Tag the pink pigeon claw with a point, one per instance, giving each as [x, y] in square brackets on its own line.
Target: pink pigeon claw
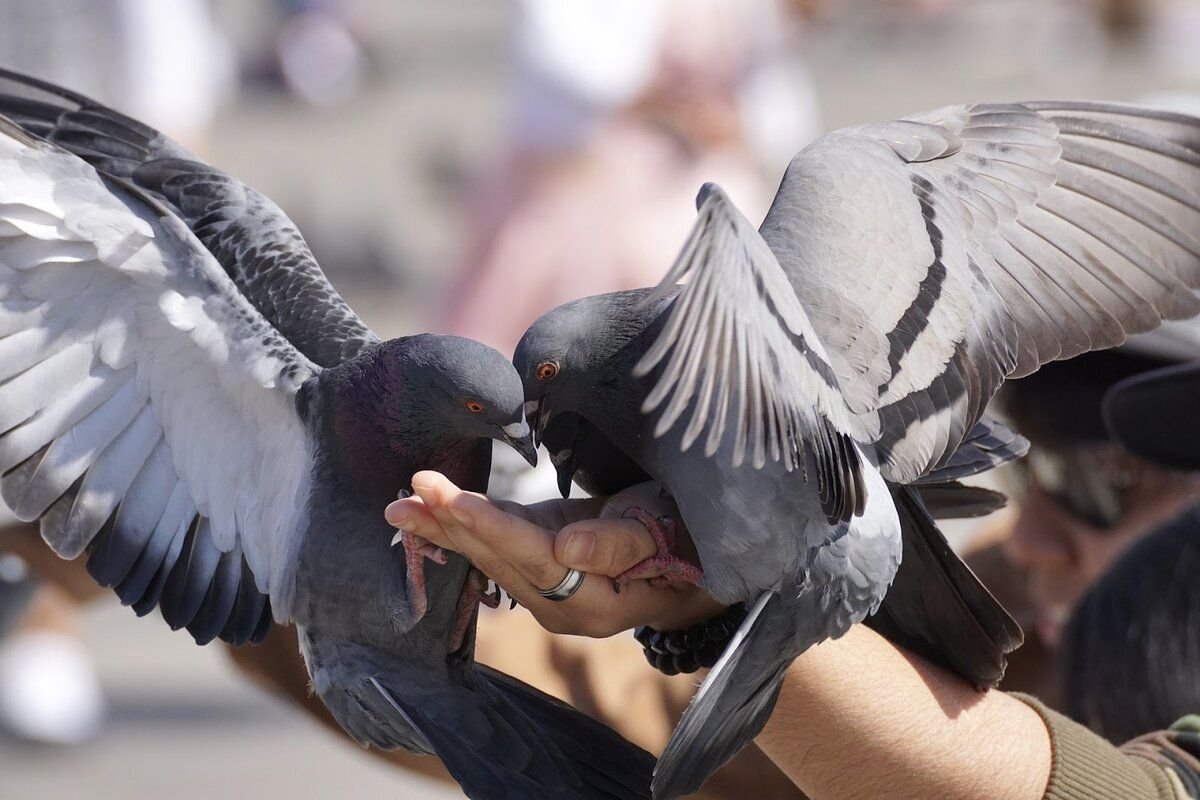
[665, 567]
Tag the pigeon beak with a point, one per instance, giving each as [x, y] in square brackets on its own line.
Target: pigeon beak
[538, 416]
[519, 436]
[565, 467]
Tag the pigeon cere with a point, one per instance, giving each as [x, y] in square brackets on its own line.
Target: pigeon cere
[893, 493]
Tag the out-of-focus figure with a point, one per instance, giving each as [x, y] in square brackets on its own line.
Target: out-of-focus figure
[620, 111]
[1140, 624]
[1081, 499]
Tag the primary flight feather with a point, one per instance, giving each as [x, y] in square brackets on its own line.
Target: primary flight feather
[187, 402]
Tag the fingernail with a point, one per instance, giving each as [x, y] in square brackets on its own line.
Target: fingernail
[579, 547]
[396, 516]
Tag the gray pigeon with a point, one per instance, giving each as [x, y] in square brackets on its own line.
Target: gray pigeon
[826, 365]
[186, 400]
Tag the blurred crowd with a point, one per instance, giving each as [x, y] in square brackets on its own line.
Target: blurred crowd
[614, 113]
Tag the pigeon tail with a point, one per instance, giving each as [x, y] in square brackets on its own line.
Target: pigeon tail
[938, 609]
[499, 738]
[989, 444]
[735, 701]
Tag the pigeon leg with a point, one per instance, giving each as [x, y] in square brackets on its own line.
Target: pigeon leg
[416, 550]
[665, 566]
[474, 593]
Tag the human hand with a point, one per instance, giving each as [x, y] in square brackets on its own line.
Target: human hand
[513, 546]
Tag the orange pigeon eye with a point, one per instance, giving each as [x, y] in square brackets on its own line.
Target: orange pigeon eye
[475, 407]
[547, 371]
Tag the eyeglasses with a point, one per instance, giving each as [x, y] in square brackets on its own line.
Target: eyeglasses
[1095, 482]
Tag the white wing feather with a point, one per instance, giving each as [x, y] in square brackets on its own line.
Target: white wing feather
[135, 380]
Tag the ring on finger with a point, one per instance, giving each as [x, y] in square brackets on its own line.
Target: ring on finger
[566, 588]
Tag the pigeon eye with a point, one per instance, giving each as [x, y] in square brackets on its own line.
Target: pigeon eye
[474, 406]
[547, 371]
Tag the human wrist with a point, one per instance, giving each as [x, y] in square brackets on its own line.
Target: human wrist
[686, 650]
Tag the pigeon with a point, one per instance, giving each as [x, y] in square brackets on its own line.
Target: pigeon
[809, 377]
[186, 400]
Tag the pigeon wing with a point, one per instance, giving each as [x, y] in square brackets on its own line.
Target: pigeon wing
[742, 360]
[940, 254]
[148, 411]
[932, 257]
[256, 244]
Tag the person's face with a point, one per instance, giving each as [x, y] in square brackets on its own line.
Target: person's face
[1080, 510]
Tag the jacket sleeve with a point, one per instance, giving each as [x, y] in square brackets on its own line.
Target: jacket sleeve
[1086, 767]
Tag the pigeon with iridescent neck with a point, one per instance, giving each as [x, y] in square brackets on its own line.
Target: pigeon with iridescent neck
[186, 402]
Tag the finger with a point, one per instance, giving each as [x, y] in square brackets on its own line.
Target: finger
[511, 551]
[648, 496]
[606, 547]
[596, 610]
[529, 548]
[412, 516]
[436, 491]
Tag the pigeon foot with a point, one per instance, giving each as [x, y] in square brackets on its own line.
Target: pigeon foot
[666, 567]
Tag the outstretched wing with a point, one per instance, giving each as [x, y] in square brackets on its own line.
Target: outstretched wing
[249, 236]
[935, 256]
[147, 410]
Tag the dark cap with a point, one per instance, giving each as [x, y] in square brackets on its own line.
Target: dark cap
[1156, 415]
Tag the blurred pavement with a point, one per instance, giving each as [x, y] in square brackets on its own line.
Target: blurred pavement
[184, 725]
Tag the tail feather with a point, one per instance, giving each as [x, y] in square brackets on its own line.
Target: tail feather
[937, 608]
[954, 500]
[732, 705]
[503, 739]
[500, 739]
[606, 762]
[988, 445]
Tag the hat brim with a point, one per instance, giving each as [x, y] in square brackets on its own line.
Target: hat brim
[1156, 415]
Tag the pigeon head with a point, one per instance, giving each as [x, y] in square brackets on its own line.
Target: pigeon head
[407, 403]
[577, 360]
[471, 390]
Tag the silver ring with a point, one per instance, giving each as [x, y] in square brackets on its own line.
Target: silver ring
[567, 587]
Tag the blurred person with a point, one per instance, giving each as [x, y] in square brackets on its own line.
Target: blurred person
[165, 62]
[1079, 499]
[1138, 624]
[620, 110]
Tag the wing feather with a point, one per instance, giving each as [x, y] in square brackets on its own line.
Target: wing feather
[1062, 227]
[764, 379]
[907, 268]
[255, 243]
[147, 408]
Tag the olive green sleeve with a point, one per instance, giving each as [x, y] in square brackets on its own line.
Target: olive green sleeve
[1087, 767]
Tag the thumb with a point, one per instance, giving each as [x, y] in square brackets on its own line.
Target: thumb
[604, 546]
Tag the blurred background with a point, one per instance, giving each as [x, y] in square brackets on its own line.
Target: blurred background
[463, 165]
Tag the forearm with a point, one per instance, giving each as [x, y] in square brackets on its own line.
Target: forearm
[859, 718]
